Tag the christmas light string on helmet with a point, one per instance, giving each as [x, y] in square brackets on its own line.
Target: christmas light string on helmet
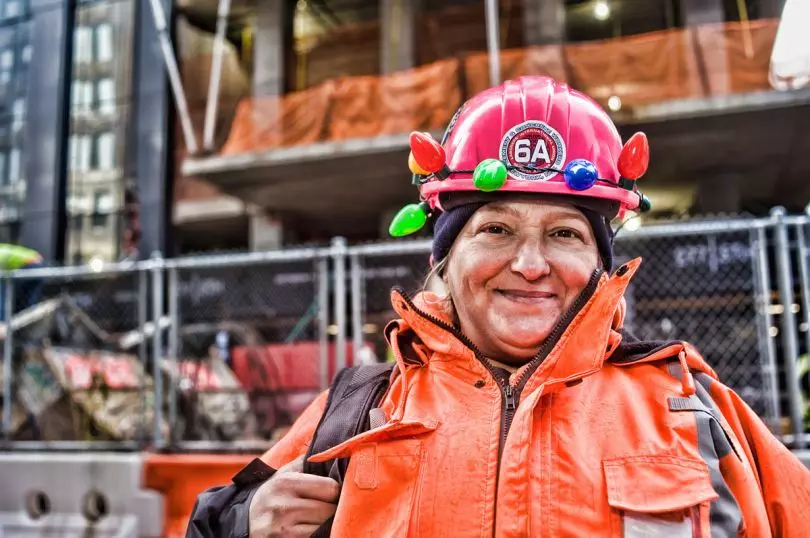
[427, 162]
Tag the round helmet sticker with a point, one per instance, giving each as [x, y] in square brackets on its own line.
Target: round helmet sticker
[533, 144]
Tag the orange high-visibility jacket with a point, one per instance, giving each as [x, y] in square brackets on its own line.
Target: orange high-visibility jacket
[599, 436]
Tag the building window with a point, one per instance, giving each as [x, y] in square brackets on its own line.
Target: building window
[106, 96]
[18, 114]
[6, 66]
[105, 151]
[102, 207]
[13, 8]
[14, 166]
[80, 152]
[104, 42]
[82, 96]
[26, 54]
[83, 44]
[3, 171]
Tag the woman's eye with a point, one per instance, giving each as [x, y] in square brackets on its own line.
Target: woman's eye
[567, 234]
[494, 229]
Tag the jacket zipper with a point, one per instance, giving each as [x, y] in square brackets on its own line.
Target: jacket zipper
[510, 395]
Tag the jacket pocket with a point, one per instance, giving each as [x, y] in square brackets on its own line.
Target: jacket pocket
[381, 489]
[652, 496]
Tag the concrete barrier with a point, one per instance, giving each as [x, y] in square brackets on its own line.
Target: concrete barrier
[66, 495]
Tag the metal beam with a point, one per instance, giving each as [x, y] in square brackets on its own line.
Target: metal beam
[493, 42]
[214, 84]
[169, 60]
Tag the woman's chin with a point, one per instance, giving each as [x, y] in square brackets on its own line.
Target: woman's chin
[522, 343]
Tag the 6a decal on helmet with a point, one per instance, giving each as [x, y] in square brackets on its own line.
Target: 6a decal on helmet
[533, 144]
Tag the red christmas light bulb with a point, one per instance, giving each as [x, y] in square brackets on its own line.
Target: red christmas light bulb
[635, 157]
[427, 152]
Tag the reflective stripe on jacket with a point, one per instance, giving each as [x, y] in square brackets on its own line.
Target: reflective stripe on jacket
[601, 436]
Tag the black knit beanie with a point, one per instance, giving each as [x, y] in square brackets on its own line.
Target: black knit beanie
[450, 223]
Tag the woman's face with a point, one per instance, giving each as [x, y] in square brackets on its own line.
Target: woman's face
[515, 270]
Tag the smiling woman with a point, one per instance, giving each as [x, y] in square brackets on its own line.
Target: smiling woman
[517, 403]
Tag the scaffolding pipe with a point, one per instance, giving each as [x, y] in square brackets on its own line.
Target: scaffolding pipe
[493, 42]
[174, 75]
[211, 106]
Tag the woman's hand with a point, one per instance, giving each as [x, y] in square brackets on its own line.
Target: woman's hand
[292, 504]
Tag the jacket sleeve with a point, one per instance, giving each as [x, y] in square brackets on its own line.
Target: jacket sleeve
[224, 511]
[783, 480]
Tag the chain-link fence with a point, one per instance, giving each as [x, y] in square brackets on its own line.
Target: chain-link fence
[245, 342]
[705, 283]
[248, 345]
[71, 378]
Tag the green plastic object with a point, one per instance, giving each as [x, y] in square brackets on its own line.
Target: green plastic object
[489, 175]
[408, 220]
[645, 204]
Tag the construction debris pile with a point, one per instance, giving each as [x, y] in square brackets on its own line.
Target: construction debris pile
[72, 381]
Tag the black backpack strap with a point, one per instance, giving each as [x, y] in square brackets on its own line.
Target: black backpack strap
[353, 394]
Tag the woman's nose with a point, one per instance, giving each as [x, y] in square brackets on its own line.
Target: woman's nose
[530, 261]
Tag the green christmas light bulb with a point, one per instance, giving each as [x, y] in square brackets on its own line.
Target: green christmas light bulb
[489, 175]
[409, 219]
[645, 204]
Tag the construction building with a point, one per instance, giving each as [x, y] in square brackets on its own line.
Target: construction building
[298, 122]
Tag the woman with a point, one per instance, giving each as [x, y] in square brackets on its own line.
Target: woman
[518, 405]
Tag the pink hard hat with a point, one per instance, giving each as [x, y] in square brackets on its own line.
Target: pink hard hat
[529, 136]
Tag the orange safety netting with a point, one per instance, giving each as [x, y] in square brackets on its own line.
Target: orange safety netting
[642, 69]
[418, 99]
[737, 55]
[672, 64]
[271, 122]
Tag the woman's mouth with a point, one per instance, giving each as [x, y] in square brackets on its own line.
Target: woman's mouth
[525, 296]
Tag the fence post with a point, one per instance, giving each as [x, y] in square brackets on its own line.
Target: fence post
[339, 258]
[174, 349]
[322, 268]
[804, 276]
[157, 345]
[357, 305]
[8, 351]
[789, 334]
[143, 301]
[762, 283]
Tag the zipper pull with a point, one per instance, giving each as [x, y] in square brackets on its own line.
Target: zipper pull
[510, 398]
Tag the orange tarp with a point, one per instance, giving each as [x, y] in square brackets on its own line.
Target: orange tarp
[737, 55]
[355, 108]
[270, 122]
[422, 99]
[545, 60]
[640, 70]
[643, 69]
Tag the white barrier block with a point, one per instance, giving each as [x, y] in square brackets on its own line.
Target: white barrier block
[62, 484]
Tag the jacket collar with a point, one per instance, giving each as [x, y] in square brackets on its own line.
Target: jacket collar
[424, 331]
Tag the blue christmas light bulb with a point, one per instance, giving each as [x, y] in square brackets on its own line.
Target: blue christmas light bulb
[580, 174]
